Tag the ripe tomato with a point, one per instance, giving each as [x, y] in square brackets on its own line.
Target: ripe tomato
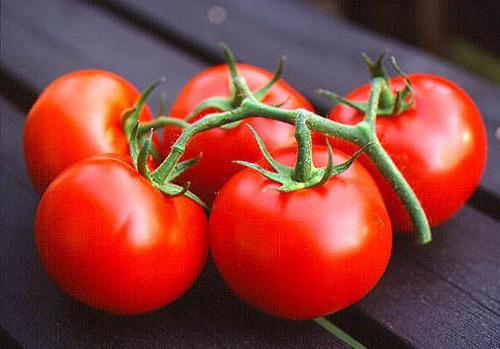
[221, 146]
[78, 115]
[301, 254]
[439, 145]
[111, 240]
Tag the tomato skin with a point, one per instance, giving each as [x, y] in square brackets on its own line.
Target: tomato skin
[220, 147]
[439, 145]
[111, 240]
[302, 254]
[78, 115]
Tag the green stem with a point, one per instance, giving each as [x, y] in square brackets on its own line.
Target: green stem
[337, 332]
[389, 170]
[387, 97]
[410, 201]
[374, 100]
[159, 122]
[304, 166]
[361, 134]
[206, 123]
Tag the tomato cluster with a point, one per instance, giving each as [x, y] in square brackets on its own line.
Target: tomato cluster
[110, 237]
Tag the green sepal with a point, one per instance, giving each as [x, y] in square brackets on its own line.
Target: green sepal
[402, 96]
[133, 146]
[142, 158]
[236, 94]
[219, 103]
[337, 99]
[139, 161]
[263, 149]
[173, 190]
[182, 166]
[376, 68]
[275, 176]
[131, 118]
[161, 121]
[396, 102]
[284, 174]
[230, 60]
[260, 94]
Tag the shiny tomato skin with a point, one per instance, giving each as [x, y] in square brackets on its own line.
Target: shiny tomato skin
[220, 147]
[78, 115]
[302, 254]
[111, 240]
[439, 145]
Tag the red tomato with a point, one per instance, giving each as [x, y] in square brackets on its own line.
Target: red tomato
[302, 254]
[78, 115]
[220, 147]
[439, 145]
[113, 241]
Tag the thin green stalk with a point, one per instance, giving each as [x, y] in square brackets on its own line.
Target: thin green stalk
[374, 100]
[160, 122]
[337, 332]
[410, 201]
[304, 166]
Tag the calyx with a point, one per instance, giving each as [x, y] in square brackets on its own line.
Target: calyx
[304, 174]
[236, 94]
[391, 102]
[141, 148]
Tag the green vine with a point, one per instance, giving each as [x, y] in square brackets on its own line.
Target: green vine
[244, 103]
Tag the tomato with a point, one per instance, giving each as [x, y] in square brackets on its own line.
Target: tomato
[439, 145]
[78, 115]
[221, 146]
[111, 240]
[301, 254]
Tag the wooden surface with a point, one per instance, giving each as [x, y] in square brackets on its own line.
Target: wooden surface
[445, 295]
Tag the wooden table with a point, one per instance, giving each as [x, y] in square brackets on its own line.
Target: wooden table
[444, 295]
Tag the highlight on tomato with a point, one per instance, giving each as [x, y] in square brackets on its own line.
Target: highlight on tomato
[113, 241]
[213, 90]
[78, 115]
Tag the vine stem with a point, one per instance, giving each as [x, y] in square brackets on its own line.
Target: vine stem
[161, 121]
[360, 134]
[337, 332]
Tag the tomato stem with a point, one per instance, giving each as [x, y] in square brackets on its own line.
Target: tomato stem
[159, 122]
[389, 170]
[304, 166]
[391, 102]
[337, 332]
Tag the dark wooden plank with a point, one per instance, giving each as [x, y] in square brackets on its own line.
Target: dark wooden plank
[326, 55]
[208, 316]
[6, 340]
[38, 48]
[445, 295]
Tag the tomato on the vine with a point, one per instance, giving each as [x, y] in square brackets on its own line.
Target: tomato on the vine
[113, 241]
[439, 145]
[221, 146]
[77, 115]
[305, 253]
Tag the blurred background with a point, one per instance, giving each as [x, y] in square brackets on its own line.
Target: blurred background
[464, 32]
